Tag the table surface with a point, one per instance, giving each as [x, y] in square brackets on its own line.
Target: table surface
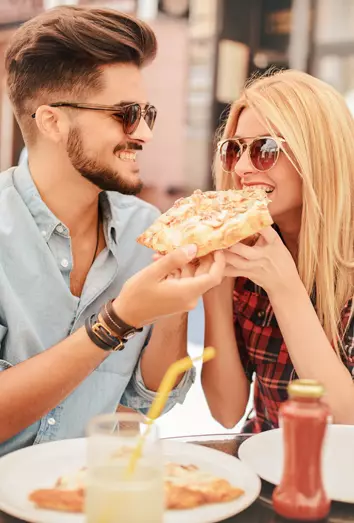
[261, 511]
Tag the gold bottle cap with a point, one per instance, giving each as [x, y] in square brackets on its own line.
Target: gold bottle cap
[305, 389]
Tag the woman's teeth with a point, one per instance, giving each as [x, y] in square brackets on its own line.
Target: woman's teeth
[127, 156]
[267, 188]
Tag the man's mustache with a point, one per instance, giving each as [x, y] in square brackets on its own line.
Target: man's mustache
[129, 146]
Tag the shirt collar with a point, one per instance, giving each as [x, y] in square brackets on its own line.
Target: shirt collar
[46, 221]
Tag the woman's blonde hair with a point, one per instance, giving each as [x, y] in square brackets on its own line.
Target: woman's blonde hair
[319, 132]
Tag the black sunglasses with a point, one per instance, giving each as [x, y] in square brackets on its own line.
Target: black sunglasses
[130, 114]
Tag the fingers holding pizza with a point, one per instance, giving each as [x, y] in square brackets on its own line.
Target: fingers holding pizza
[152, 293]
[268, 263]
[214, 221]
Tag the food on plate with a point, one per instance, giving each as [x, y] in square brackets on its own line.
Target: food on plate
[211, 220]
[59, 499]
[186, 486]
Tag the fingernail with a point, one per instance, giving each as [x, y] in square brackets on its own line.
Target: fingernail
[190, 250]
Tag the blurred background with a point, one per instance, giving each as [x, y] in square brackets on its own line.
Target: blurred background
[207, 50]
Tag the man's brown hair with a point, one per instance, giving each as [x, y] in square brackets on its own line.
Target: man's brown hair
[61, 51]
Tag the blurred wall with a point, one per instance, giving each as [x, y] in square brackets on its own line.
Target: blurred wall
[163, 160]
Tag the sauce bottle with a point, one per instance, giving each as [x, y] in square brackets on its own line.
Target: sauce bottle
[300, 494]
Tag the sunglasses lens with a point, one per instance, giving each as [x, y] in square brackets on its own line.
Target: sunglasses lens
[230, 152]
[150, 116]
[131, 118]
[264, 153]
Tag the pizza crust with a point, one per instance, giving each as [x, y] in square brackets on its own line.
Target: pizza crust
[211, 220]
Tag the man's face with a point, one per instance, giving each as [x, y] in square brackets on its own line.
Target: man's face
[97, 146]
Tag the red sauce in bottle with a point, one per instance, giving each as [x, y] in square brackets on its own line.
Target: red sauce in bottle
[300, 494]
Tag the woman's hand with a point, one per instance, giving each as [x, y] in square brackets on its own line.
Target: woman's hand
[268, 263]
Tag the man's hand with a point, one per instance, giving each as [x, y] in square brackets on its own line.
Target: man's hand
[151, 293]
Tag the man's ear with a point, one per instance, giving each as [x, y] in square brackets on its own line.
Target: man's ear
[52, 123]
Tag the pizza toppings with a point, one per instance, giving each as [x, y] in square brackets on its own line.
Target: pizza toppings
[212, 220]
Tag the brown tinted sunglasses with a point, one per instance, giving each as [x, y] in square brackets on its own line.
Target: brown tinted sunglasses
[130, 114]
[263, 152]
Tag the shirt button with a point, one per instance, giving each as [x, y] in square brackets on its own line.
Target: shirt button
[51, 421]
[64, 262]
[60, 228]
[260, 314]
[44, 233]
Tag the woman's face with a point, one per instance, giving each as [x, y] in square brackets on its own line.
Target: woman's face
[282, 180]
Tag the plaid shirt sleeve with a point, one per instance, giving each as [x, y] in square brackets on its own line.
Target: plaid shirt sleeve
[348, 340]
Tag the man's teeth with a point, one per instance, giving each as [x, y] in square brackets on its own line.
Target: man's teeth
[127, 156]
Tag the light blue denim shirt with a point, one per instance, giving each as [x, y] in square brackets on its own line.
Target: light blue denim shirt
[37, 309]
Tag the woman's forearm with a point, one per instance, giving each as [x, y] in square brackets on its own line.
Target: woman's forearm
[310, 351]
[223, 379]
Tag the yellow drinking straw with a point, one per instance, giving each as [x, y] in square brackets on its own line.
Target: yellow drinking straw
[159, 402]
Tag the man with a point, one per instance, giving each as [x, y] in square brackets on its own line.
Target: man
[68, 223]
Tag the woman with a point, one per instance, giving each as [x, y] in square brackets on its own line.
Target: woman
[286, 309]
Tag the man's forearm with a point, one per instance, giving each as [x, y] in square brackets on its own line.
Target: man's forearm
[34, 387]
[168, 344]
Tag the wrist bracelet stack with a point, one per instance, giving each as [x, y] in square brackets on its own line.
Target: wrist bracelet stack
[107, 330]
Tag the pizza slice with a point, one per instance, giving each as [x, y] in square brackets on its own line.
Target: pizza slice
[186, 486]
[59, 499]
[67, 495]
[212, 220]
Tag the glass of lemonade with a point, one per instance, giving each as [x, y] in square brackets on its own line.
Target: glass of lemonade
[114, 495]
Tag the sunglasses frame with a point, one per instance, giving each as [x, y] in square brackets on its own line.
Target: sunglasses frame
[119, 111]
[247, 146]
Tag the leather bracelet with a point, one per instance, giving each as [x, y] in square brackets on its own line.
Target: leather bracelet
[107, 318]
[101, 336]
[116, 324]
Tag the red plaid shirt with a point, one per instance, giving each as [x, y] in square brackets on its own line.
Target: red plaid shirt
[264, 353]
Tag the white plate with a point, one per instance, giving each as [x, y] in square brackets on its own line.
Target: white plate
[264, 454]
[40, 466]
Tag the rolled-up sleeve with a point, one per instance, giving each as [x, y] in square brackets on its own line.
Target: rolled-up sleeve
[3, 364]
[138, 397]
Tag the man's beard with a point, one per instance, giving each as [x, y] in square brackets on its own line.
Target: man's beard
[102, 176]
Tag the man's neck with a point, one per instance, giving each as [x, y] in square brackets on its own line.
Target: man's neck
[71, 198]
